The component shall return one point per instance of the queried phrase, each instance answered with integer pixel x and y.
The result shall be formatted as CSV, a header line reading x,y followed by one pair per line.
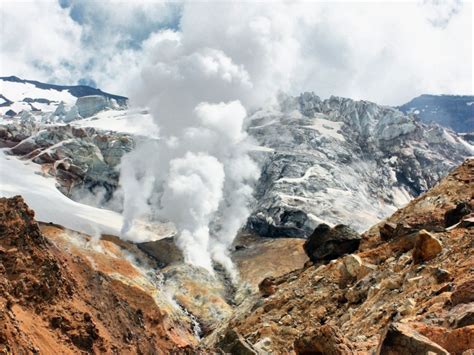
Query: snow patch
x,y
327,128
19,91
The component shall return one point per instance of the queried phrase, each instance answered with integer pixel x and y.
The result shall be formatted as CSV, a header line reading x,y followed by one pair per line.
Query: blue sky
x,y
384,52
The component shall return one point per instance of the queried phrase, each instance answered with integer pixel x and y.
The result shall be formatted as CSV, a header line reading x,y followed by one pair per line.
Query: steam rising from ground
x,y
199,174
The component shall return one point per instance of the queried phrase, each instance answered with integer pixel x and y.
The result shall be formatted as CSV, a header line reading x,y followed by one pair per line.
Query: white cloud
x,y
38,40
382,51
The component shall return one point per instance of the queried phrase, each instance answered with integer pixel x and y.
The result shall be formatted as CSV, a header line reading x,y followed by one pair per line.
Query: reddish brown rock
x,y
267,287
401,339
427,247
464,293
323,340
52,302
455,341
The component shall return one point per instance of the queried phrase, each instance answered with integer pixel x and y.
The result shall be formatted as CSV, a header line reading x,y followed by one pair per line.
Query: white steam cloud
x,y
199,174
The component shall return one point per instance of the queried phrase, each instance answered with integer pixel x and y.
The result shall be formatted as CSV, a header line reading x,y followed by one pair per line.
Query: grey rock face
x,y
88,106
81,159
342,161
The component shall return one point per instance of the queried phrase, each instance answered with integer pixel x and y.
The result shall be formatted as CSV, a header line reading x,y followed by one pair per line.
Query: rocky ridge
x,y
407,289
84,161
342,161
54,102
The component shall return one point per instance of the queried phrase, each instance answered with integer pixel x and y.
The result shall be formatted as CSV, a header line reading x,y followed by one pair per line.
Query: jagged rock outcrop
x,y
342,161
425,305
328,243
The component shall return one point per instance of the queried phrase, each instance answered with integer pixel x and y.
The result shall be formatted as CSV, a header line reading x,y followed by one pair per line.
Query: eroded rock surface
x,y
334,307
55,300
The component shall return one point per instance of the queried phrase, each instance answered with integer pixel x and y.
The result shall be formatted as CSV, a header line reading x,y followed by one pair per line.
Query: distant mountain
x,y
19,95
75,90
452,111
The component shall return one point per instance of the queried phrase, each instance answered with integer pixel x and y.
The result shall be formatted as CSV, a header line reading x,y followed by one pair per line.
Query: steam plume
x,y
198,88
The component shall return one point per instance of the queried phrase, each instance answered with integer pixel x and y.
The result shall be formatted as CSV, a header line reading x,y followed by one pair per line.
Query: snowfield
x,y
50,205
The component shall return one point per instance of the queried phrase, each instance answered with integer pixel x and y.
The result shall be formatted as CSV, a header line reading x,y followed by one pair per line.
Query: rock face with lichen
x,y
407,288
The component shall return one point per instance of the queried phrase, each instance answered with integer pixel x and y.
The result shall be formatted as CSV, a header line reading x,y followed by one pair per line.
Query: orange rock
x,y
427,246
464,293
401,339
455,341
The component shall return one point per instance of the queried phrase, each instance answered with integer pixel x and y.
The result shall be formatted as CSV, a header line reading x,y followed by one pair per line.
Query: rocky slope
x,y
58,299
408,288
342,161
62,291
453,111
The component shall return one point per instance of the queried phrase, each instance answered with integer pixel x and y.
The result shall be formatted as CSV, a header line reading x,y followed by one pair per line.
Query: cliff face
x,y
409,288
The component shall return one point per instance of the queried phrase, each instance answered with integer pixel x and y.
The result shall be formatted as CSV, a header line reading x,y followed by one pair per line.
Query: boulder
x,y
427,246
164,251
267,287
442,275
72,115
389,230
325,339
453,216
328,243
401,339
455,341
461,315
356,267
352,263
